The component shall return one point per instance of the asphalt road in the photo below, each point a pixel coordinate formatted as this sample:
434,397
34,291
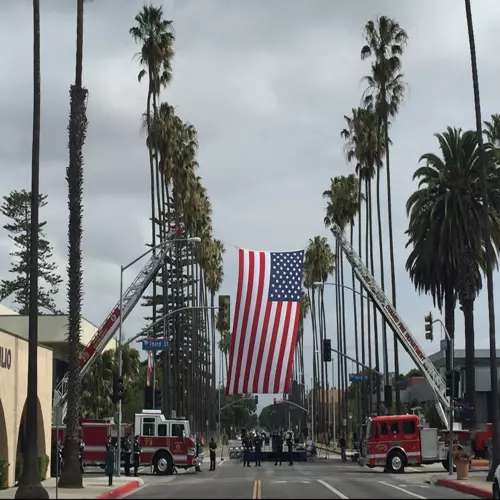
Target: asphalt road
320,479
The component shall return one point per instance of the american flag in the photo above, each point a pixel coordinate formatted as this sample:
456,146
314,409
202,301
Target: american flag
265,323
150,368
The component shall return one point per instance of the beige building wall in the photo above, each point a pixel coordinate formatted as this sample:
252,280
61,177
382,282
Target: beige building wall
13,391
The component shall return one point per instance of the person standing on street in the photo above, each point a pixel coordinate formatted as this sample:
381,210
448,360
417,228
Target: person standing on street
258,449
212,447
246,450
137,455
289,443
279,448
343,446
127,452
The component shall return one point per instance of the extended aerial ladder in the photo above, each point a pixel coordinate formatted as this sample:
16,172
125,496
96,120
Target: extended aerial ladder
417,354
107,330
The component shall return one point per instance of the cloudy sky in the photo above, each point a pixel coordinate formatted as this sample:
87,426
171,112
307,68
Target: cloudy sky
267,85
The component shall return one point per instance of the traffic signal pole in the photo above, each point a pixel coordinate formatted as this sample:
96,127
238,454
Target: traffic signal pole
120,367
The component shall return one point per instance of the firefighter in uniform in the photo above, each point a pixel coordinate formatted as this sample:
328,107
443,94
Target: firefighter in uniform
137,455
246,450
127,451
279,448
289,443
258,449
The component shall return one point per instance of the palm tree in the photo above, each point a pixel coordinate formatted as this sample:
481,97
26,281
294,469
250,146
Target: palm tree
155,34
319,264
446,224
385,42
29,482
487,241
71,476
361,148
343,204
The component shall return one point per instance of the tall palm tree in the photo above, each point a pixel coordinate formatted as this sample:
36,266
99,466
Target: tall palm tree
319,264
29,482
446,223
156,37
361,148
385,43
487,241
343,205
71,476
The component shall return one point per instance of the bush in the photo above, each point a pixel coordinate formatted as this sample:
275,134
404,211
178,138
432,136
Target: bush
43,465
4,474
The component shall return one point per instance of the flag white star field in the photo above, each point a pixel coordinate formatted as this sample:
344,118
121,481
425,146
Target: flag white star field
266,320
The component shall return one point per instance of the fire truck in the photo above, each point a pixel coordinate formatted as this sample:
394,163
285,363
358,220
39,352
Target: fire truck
396,441
393,449
166,443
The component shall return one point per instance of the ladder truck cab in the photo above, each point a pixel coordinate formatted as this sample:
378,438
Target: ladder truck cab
166,443
394,442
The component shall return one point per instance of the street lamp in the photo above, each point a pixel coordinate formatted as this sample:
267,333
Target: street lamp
194,239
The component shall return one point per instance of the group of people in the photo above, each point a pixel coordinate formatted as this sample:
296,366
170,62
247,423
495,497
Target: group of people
256,441
127,450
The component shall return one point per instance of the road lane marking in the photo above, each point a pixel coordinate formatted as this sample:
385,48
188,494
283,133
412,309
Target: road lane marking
403,490
256,495
332,489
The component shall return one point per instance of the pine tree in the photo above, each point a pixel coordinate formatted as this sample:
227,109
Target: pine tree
16,208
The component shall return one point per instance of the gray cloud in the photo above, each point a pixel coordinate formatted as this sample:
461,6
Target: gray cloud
267,86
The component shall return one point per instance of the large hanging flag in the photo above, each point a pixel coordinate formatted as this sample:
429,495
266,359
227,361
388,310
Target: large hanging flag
265,323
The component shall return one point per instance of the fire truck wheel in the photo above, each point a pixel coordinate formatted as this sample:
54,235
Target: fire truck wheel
396,462
163,463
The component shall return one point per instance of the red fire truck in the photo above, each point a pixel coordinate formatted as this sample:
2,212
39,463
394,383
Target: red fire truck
396,441
165,443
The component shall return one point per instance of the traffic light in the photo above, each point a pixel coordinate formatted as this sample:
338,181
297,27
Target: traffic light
256,400
158,399
274,400
148,397
118,389
224,313
452,380
327,350
428,327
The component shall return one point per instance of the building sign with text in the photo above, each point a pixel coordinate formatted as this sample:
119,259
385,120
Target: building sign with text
5,358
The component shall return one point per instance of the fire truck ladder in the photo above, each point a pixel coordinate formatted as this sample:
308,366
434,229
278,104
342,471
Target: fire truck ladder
417,354
111,324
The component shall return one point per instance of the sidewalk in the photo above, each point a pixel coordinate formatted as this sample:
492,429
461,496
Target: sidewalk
93,487
477,486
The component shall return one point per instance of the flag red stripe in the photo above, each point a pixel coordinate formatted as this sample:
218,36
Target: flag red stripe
292,348
240,369
256,316
285,333
241,259
265,327
272,346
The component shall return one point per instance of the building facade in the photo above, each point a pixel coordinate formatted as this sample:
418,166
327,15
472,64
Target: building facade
13,392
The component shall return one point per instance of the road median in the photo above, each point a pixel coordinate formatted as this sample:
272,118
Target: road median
480,489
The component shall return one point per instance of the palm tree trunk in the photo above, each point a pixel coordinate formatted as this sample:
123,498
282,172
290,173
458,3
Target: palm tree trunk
391,255
29,482
71,476
368,310
387,389
327,397
489,250
375,318
362,305
344,344
356,339
470,366
315,344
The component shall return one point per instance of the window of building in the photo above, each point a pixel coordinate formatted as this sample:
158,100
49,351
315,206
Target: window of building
148,426
162,430
409,427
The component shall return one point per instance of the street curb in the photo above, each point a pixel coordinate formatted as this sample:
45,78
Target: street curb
465,488
480,463
121,490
